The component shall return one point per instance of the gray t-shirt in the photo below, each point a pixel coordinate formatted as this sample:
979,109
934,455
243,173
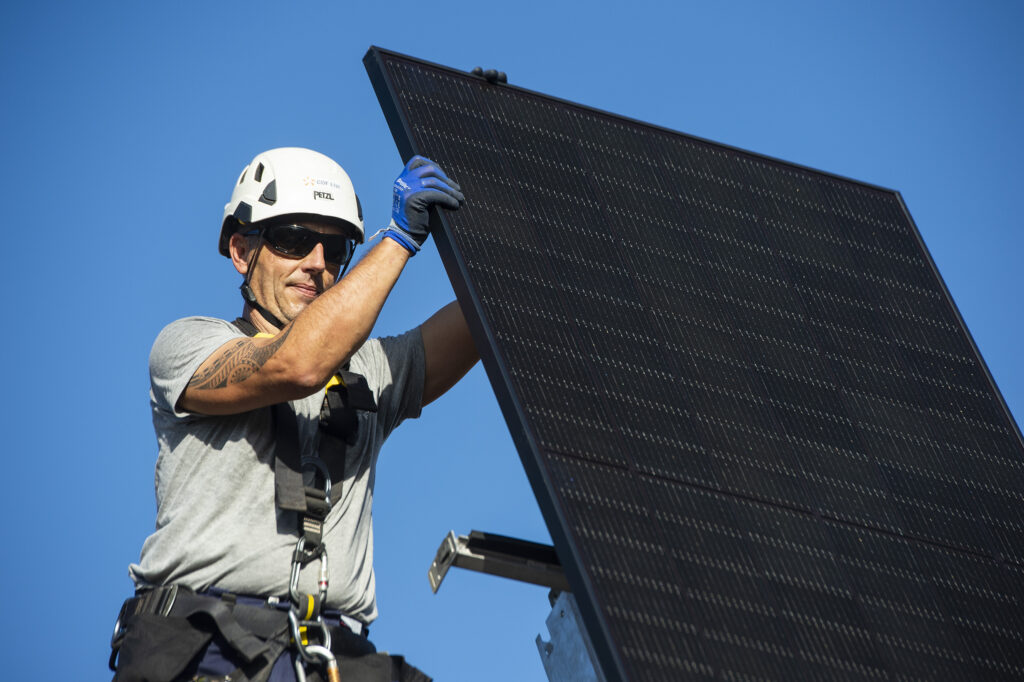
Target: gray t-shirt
217,523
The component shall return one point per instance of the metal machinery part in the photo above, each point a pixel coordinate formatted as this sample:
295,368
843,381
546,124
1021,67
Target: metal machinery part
498,555
568,656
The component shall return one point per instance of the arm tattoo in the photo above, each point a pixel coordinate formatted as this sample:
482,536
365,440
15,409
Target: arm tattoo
236,364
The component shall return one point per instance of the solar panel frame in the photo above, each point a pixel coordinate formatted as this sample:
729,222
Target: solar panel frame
528,442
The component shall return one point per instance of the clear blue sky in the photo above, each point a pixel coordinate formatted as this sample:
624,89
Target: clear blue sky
123,126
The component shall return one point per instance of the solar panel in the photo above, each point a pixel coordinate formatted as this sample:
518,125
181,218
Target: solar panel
758,430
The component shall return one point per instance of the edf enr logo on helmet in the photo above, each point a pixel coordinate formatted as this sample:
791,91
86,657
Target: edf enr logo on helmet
322,195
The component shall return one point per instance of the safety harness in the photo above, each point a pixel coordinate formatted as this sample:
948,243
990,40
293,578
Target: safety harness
303,485
164,628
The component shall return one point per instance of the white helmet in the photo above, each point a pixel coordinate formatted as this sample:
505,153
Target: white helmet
292,181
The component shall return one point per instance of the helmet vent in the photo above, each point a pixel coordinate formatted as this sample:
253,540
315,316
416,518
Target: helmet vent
243,212
241,178
258,176
269,195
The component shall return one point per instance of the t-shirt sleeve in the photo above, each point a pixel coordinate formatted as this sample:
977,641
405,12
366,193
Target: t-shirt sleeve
178,352
394,367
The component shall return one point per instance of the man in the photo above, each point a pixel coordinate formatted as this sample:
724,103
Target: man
260,566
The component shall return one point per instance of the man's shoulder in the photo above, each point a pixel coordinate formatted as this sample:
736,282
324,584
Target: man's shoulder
387,353
198,325
192,332
382,346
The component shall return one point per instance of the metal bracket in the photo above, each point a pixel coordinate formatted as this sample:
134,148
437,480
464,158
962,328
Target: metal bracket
528,562
569,655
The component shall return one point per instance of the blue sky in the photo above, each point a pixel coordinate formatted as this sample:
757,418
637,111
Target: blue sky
123,126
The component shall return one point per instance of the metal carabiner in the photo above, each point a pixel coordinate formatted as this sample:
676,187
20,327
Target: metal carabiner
323,581
333,673
293,581
118,631
313,653
308,651
330,662
319,465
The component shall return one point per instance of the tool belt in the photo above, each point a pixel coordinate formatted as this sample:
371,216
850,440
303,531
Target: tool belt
161,631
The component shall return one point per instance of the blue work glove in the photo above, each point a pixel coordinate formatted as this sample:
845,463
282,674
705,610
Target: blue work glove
422,184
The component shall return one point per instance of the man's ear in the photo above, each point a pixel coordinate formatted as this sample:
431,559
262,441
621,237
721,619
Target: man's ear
239,248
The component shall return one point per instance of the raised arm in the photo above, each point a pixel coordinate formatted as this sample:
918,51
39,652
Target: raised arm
248,373
323,323
449,350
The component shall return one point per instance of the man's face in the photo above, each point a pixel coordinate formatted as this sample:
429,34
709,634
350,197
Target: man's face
283,284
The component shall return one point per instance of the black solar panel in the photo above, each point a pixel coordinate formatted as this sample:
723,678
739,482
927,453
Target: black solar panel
762,439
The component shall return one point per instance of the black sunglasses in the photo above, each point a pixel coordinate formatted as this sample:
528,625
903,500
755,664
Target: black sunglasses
296,241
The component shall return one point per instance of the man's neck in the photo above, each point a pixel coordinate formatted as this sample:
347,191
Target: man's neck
253,315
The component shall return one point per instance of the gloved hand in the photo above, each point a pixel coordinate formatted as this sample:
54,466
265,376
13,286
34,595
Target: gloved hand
422,184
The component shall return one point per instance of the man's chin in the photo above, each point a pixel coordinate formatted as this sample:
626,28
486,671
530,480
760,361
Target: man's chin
295,306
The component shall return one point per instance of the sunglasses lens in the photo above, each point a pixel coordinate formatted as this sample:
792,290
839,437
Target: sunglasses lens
290,240
298,241
338,251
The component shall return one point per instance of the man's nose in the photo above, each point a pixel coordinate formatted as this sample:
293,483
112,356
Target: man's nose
314,260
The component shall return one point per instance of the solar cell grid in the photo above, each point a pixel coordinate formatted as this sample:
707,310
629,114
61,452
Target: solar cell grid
764,444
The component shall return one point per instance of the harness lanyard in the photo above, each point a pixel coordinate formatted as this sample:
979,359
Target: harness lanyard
312,503
305,611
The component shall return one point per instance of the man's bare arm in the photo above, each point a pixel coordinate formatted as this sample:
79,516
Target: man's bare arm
449,350
245,374
235,361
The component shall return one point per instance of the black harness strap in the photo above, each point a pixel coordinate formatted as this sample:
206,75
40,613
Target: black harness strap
167,627
339,418
290,491
163,629
245,326
288,486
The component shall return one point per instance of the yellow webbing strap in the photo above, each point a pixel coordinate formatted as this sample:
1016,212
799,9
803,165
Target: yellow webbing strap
310,603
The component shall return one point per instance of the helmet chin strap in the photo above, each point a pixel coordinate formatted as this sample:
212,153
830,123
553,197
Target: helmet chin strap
250,298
